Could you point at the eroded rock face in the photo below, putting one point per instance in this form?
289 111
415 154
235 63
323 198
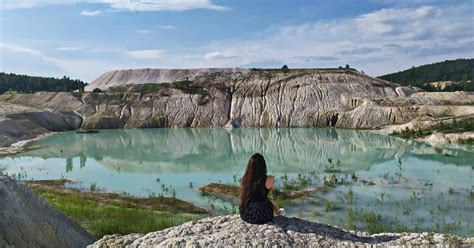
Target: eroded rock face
27 220
34 118
231 231
237 98
301 98
50 101
157 76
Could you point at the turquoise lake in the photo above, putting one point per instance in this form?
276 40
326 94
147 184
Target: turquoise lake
386 180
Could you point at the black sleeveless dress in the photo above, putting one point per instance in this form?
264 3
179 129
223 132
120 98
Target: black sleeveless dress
259 209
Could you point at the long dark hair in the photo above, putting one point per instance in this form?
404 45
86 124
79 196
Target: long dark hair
254 177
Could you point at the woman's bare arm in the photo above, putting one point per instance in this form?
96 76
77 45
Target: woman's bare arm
270 182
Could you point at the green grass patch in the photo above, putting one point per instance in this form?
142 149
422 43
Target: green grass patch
220 190
281 196
185 86
77 94
102 219
373 222
468 141
456 126
453 126
189 87
106 213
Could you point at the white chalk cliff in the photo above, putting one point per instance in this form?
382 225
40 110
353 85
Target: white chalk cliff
342 98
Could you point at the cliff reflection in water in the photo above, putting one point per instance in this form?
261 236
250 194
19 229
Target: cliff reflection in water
214 150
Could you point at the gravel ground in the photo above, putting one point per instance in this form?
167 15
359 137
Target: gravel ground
230 230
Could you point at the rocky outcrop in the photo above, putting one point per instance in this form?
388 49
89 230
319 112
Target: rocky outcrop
47 101
231 231
156 76
27 220
268 98
304 98
341 98
25 117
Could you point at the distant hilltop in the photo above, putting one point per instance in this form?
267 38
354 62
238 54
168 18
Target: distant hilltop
449 75
157 76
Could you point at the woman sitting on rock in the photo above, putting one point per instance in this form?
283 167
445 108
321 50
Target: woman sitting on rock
255 207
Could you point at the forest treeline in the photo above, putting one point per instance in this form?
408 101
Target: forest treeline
460 71
30 84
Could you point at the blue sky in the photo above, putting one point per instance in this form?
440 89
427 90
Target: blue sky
85 38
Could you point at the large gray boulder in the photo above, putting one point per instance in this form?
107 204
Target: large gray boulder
231 231
27 220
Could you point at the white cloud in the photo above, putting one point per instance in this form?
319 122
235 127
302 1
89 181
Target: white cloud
85 69
219 55
32 52
67 48
150 31
24 4
145 54
20 49
91 13
170 27
162 5
144 31
378 42
189 57
121 5
396 21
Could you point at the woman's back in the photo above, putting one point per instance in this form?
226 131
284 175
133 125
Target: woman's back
255 207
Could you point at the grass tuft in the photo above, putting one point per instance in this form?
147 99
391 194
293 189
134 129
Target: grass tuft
109 213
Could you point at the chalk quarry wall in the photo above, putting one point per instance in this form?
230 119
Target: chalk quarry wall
229 98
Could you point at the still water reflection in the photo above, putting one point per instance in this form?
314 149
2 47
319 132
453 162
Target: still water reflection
149 161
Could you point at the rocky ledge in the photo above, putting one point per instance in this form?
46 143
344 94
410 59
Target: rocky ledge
27 220
230 230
